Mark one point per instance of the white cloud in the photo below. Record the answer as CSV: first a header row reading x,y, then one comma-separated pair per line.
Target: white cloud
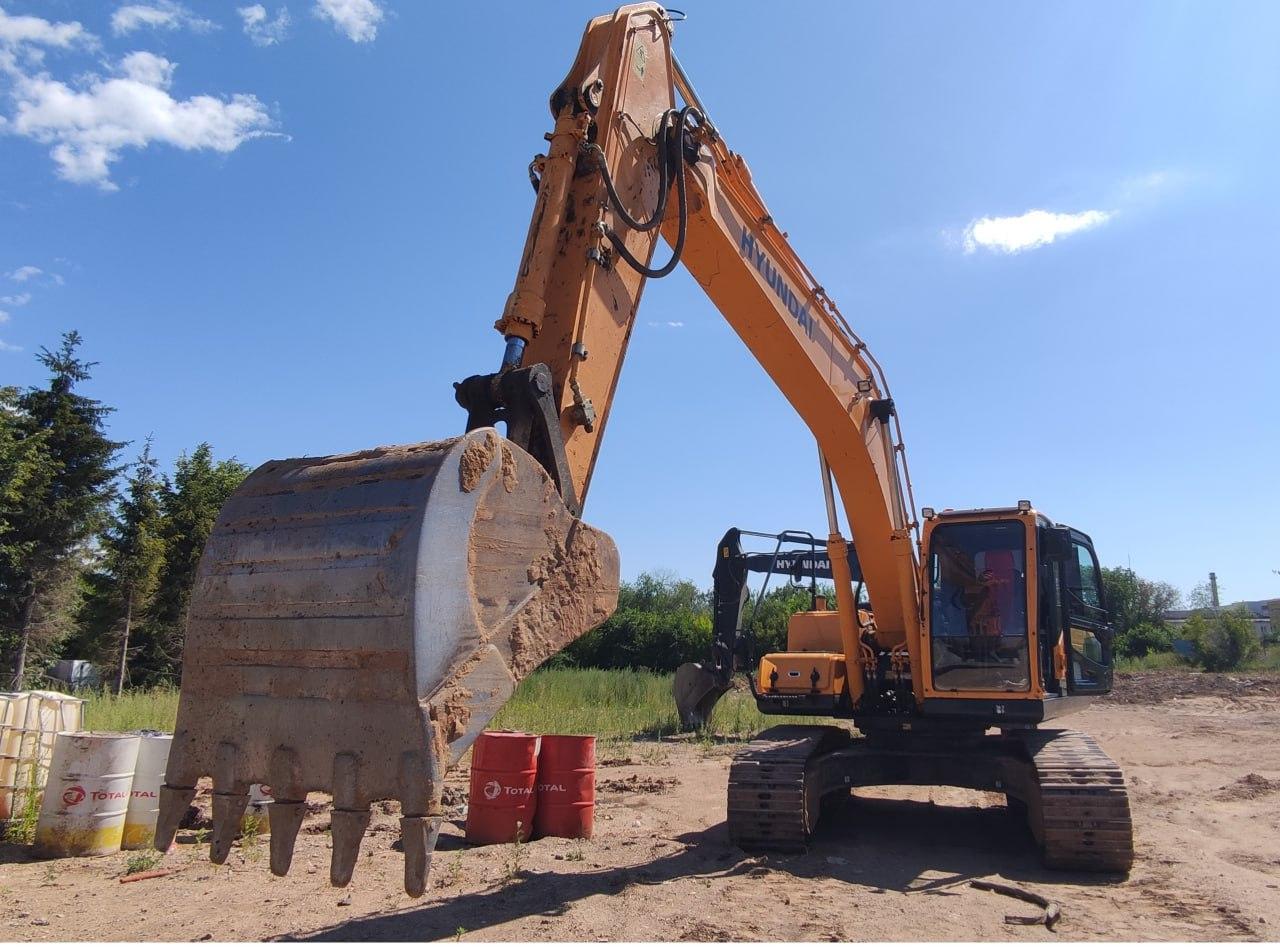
x,y
358,19
24,273
4,317
667,325
19,300
157,15
6,347
89,125
33,29
261,30
1035,228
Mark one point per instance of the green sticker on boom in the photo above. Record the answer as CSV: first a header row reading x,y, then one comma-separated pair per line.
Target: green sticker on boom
x,y
639,59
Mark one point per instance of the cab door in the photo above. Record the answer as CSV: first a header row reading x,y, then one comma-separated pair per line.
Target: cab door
x,y
1089,632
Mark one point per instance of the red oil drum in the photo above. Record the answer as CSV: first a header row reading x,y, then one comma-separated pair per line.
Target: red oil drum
x,y
504,771
566,787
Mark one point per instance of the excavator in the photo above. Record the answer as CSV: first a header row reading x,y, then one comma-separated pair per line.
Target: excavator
x,y
358,619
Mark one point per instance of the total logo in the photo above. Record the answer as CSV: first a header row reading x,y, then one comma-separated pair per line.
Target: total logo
x,y
493,789
73,796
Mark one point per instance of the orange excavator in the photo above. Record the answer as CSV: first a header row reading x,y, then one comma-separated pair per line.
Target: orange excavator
x,y
358,619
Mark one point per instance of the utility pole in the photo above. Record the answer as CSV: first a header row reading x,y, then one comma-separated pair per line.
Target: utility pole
x,y
1213,590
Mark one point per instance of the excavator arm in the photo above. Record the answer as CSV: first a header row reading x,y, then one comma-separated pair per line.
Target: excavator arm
x,y
635,152
358,619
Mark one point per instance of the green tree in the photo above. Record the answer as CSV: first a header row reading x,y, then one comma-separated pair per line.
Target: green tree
x,y
1133,600
134,551
189,505
661,622
1224,641
1201,596
1142,640
67,464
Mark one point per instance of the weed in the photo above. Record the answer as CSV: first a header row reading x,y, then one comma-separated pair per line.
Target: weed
x,y
457,935
653,754
250,835
153,709
453,874
21,828
576,854
513,860
142,861
50,875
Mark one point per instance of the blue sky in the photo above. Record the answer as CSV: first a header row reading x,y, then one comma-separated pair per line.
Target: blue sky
x,y
1055,225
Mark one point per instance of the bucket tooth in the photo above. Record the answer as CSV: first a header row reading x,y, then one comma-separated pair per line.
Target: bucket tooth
x,y
380,607
347,828
286,821
418,836
285,770
174,802
228,819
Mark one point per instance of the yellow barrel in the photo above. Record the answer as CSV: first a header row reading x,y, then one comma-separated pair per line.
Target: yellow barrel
x,y
87,794
144,795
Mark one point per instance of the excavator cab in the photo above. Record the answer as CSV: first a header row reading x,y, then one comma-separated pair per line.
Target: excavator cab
x,y
1015,615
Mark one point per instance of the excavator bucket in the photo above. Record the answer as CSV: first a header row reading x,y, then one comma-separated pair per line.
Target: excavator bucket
x,y
697,690
356,622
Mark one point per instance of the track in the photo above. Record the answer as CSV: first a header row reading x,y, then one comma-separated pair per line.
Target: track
x,y
1082,820
771,808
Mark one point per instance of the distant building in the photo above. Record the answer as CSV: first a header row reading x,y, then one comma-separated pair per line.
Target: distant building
x,y
1265,616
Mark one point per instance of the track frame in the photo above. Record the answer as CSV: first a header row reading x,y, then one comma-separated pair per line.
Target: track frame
x,y
1073,794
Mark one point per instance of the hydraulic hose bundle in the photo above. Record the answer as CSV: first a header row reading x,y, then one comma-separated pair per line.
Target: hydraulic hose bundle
x,y
670,144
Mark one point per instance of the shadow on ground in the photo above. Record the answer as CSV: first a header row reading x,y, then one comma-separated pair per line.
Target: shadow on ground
x,y
877,844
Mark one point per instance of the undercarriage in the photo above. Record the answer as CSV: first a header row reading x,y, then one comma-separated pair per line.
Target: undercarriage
x,y
1073,794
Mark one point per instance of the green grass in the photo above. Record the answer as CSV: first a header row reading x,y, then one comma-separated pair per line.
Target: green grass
x,y
619,705
155,709
1160,661
1266,660
612,705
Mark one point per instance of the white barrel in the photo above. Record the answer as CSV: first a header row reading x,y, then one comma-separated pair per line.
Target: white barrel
x,y
87,794
259,809
144,794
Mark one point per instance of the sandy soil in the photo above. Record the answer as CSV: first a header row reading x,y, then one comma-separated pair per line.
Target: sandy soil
x,y
893,864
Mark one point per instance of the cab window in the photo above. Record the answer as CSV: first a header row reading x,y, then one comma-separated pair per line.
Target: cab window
x,y
1084,594
978,606
1089,660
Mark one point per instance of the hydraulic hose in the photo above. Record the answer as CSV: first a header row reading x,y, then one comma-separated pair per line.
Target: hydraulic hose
x,y
664,179
671,154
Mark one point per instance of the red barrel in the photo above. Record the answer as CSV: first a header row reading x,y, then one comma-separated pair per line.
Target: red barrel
x,y
566,787
504,771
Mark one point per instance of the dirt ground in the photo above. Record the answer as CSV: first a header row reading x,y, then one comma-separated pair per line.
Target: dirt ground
x,y
894,864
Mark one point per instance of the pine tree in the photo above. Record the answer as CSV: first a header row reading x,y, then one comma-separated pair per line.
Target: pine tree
x,y
134,550
67,489
190,502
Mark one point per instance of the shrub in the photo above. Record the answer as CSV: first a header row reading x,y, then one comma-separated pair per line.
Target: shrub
x,y
1144,639
1222,642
